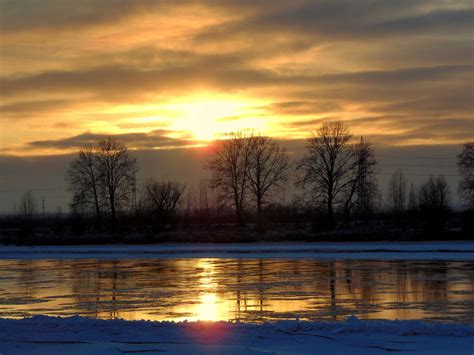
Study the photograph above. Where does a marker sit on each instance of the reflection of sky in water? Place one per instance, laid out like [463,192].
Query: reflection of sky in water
[245,289]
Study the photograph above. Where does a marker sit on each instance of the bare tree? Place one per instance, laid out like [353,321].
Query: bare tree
[397,191]
[162,198]
[433,201]
[328,165]
[228,166]
[466,170]
[28,207]
[82,177]
[204,206]
[363,188]
[117,174]
[434,194]
[267,170]
[412,200]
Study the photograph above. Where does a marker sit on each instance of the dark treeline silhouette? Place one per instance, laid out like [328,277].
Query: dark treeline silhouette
[254,192]
[338,174]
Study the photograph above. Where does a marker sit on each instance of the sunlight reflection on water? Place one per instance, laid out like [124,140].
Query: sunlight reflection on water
[244,289]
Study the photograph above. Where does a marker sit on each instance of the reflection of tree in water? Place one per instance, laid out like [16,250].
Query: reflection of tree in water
[247,289]
[332,288]
[109,289]
[260,285]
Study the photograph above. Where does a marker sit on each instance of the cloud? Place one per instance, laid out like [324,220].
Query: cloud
[437,104]
[303,107]
[345,20]
[23,109]
[444,20]
[396,66]
[119,82]
[28,14]
[151,140]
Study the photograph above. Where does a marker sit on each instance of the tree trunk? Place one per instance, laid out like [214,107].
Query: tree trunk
[260,227]
[112,210]
[238,209]
[240,219]
[347,213]
[330,213]
[97,212]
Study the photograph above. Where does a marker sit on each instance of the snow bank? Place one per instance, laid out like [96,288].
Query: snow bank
[92,329]
[41,334]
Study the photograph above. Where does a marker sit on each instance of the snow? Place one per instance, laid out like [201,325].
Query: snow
[78,335]
[363,250]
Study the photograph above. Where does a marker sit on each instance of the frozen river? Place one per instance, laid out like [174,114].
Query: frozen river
[189,286]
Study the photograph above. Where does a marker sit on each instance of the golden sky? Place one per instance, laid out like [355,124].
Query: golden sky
[165,74]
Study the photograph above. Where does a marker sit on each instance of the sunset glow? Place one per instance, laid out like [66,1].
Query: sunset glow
[207,118]
[234,176]
[192,71]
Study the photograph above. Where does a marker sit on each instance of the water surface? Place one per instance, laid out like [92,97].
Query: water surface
[238,289]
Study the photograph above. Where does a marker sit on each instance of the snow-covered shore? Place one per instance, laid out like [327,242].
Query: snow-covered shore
[77,335]
[463,250]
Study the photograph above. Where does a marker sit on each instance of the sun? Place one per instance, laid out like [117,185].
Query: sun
[208,117]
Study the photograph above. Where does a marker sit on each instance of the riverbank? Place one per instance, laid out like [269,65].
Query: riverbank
[374,231]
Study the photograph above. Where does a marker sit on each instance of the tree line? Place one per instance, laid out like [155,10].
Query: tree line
[248,177]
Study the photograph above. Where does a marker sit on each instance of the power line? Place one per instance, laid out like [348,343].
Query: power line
[22,190]
[420,166]
[416,174]
[413,157]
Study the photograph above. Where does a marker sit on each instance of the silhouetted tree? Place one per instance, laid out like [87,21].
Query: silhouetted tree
[161,199]
[433,202]
[228,165]
[397,192]
[466,170]
[412,200]
[28,207]
[267,170]
[362,190]
[203,204]
[117,174]
[328,166]
[102,176]
[83,178]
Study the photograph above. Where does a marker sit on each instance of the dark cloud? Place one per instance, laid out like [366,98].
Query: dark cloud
[303,107]
[460,129]
[456,21]
[349,20]
[29,14]
[431,129]
[437,104]
[310,124]
[398,76]
[117,81]
[153,139]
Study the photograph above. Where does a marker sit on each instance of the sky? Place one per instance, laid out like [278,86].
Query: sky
[169,75]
